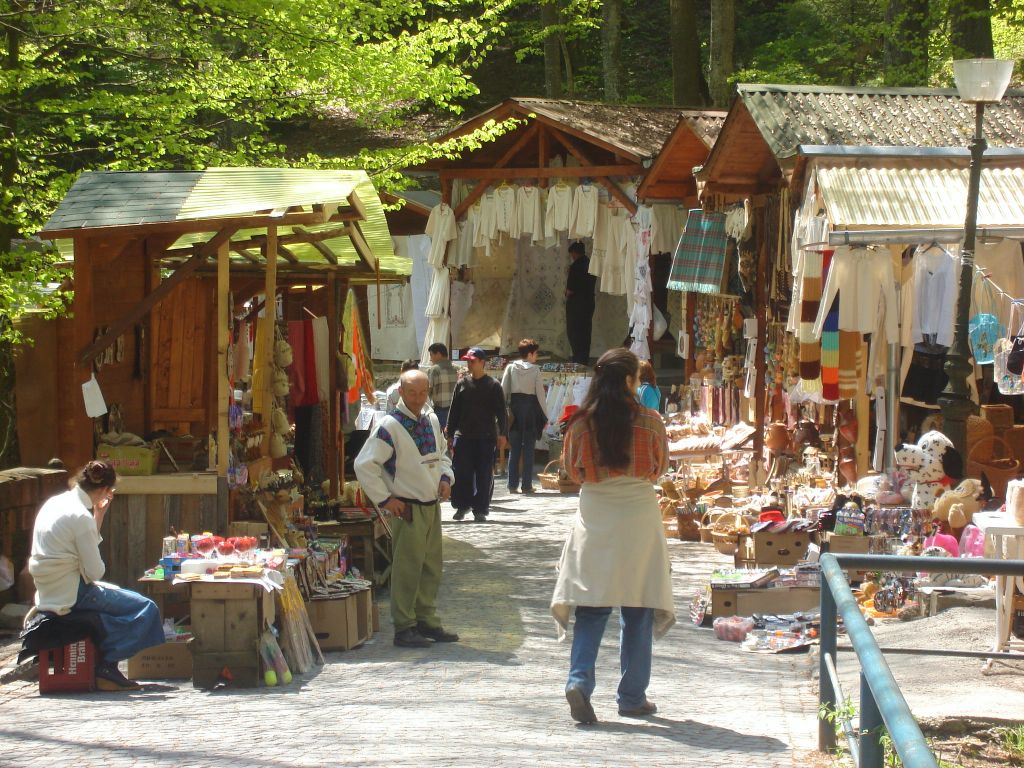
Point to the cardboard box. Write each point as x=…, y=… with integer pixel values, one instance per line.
x=747, y=602
x=766, y=548
x=130, y=459
x=848, y=545
x=170, y=661
x=335, y=623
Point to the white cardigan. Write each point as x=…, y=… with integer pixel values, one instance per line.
x=866, y=280
x=65, y=550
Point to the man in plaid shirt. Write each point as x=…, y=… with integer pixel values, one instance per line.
x=443, y=377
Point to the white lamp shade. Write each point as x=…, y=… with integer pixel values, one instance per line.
x=982, y=80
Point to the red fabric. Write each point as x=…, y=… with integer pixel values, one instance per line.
x=297, y=370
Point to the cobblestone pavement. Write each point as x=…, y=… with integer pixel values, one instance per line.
x=494, y=699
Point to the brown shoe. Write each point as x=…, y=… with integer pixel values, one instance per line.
x=437, y=634
x=646, y=709
x=579, y=706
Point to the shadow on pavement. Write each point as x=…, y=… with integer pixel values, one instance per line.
x=693, y=733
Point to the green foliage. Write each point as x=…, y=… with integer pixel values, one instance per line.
x=149, y=84
x=1012, y=740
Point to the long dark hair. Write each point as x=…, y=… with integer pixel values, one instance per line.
x=610, y=408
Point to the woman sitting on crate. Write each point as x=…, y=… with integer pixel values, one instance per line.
x=616, y=554
x=67, y=568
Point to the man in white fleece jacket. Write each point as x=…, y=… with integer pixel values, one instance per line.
x=405, y=470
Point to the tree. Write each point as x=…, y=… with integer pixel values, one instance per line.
x=688, y=85
x=970, y=28
x=723, y=37
x=549, y=21
x=611, y=49
x=905, y=55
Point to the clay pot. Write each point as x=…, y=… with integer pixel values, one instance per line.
x=848, y=426
x=806, y=434
x=776, y=437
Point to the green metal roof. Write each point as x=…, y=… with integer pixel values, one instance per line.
x=133, y=198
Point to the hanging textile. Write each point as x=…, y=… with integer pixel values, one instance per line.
x=936, y=282
x=321, y=338
x=613, y=262
x=416, y=248
x=459, y=303
x=583, y=213
x=810, y=349
x=393, y=333
x=460, y=254
x=440, y=229
x=640, y=313
x=482, y=321
x=851, y=363
x=297, y=370
x=260, y=362
x=361, y=379
x=536, y=301
x=669, y=220
x=437, y=303
x=437, y=333
x=1003, y=263
x=506, y=212
x=531, y=214
x=556, y=217
x=699, y=261
x=241, y=354
x=867, y=281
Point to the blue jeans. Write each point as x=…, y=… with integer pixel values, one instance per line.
x=522, y=439
x=442, y=416
x=131, y=622
x=636, y=639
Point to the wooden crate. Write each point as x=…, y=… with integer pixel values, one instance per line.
x=227, y=620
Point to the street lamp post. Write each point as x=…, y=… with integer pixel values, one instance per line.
x=979, y=82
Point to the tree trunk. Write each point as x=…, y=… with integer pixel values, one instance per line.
x=723, y=38
x=686, y=66
x=611, y=49
x=552, y=49
x=970, y=27
x=905, y=55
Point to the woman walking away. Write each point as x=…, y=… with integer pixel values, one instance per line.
x=524, y=394
x=648, y=394
x=616, y=554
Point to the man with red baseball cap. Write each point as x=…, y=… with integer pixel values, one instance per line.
x=477, y=425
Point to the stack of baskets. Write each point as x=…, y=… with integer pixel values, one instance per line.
x=554, y=478
x=726, y=531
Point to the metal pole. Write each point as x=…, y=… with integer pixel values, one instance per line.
x=955, y=400
x=826, y=693
x=871, y=728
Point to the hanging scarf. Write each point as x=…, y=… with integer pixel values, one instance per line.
x=851, y=363
x=810, y=348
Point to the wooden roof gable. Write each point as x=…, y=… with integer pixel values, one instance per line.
x=671, y=175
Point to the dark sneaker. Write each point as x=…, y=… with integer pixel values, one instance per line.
x=479, y=518
x=109, y=678
x=437, y=634
x=579, y=706
x=644, y=710
x=410, y=638
x=528, y=490
x=460, y=514
x=514, y=490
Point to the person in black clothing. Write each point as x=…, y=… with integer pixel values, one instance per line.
x=477, y=425
x=579, y=303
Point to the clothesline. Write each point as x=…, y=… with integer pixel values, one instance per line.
x=984, y=275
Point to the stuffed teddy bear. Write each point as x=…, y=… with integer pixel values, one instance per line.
x=932, y=466
x=955, y=508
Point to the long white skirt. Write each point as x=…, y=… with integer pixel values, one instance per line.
x=615, y=555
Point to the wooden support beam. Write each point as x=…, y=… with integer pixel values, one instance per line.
x=187, y=226
x=302, y=235
x=357, y=206
x=270, y=292
x=593, y=171
x=525, y=138
x=333, y=428
x=140, y=310
x=223, y=386
x=247, y=254
x=288, y=255
x=570, y=147
x=363, y=249
x=326, y=252
x=472, y=197
x=618, y=194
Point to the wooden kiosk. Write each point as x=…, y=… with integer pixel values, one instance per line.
x=161, y=262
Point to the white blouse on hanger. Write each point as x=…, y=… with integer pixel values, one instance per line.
x=506, y=213
x=556, y=217
x=441, y=229
x=866, y=279
x=936, y=281
x=583, y=213
x=531, y=215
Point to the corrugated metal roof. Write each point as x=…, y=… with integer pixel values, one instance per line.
x=790, y=115
x=110, y=199
x=919, y=197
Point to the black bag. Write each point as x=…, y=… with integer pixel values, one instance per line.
x=1015, y=357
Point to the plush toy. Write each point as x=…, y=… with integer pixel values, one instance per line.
x=932, y=465
x=955, y=508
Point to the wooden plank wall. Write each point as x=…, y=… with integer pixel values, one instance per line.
x=135, y=525
x=181, y=334
x=35, y=386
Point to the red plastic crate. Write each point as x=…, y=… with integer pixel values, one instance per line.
x=71, y=669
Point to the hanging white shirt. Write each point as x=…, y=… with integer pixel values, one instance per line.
x=506, y=212
x=936, y=281
x=583, y=213
x=866, y=278
x=531, y=215
x=556, y=217
x=441, y=229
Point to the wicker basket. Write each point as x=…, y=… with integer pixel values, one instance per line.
x=688, y=522
x=1000, y=414
x=999, y=471
x=556, y=480
x=726, y=543
x=979, y=429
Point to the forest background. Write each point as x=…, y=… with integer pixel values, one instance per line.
x=150, y=84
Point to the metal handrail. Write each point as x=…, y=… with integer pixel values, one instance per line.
x=882, y=703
